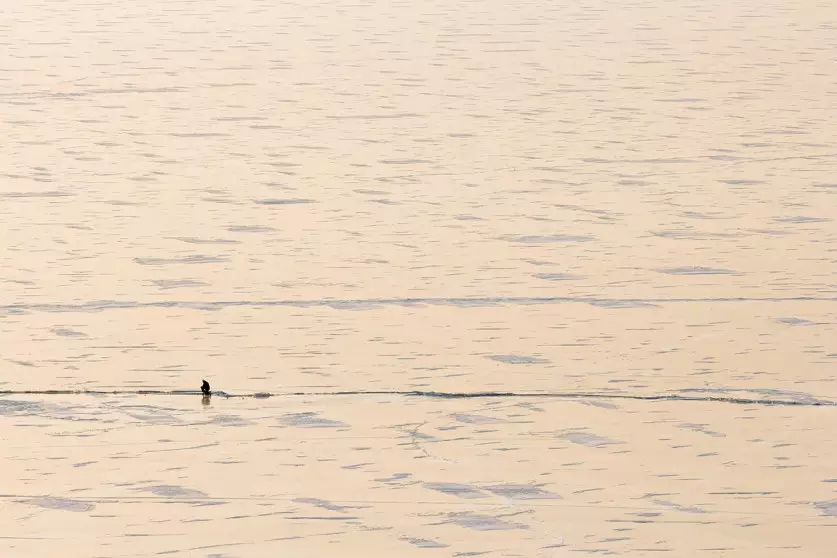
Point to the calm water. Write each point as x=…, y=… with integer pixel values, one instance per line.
x=619, y=198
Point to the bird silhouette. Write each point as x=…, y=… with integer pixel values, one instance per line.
x=205, y=388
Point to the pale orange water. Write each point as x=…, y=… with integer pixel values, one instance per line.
x=612, y=197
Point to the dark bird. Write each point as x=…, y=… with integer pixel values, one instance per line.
x=205, y=388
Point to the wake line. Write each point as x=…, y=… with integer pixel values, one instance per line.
x=810, y=402
x=367, y=303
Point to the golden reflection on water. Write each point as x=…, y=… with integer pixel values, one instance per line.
x=629, y=198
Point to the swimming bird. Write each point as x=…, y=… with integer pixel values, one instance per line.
x=205, y=388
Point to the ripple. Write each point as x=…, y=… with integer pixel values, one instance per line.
x=290, y=201
x=197, y=259
x=62, y=504
x=548, y=239
x=518, y=359
x=696, y=270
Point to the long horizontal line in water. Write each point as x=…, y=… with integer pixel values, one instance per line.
x=808, y=402
x=358, y=304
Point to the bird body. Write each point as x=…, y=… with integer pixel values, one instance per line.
x=205, y=388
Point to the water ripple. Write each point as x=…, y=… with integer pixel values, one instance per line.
x=464, y=302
